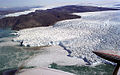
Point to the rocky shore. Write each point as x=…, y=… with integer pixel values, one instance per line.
x=42, y=18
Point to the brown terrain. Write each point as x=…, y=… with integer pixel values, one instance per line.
x=47, y=17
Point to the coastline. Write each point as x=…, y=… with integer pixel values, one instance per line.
x=60, y=37
x=43, y=17
x=66, y=41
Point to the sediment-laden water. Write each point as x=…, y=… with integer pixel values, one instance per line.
x=11, y=54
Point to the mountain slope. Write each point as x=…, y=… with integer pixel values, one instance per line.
x=47, y=17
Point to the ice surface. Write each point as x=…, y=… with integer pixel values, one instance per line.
x=49, y=55
x=94, y=31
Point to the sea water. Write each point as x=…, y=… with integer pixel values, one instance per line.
x=11, y=54
x=103, y=69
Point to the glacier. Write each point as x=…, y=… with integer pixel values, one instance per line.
x=94, y=31
x=34, y=9
x=30, y=11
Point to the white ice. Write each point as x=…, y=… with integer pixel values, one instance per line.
x=94, y=31
x=49, y=55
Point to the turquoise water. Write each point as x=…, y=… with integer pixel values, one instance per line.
x=102, y=69
x=6, y=33
x=12, y=55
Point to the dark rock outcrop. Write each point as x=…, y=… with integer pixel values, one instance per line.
x=47, y=17
x=43, y=18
